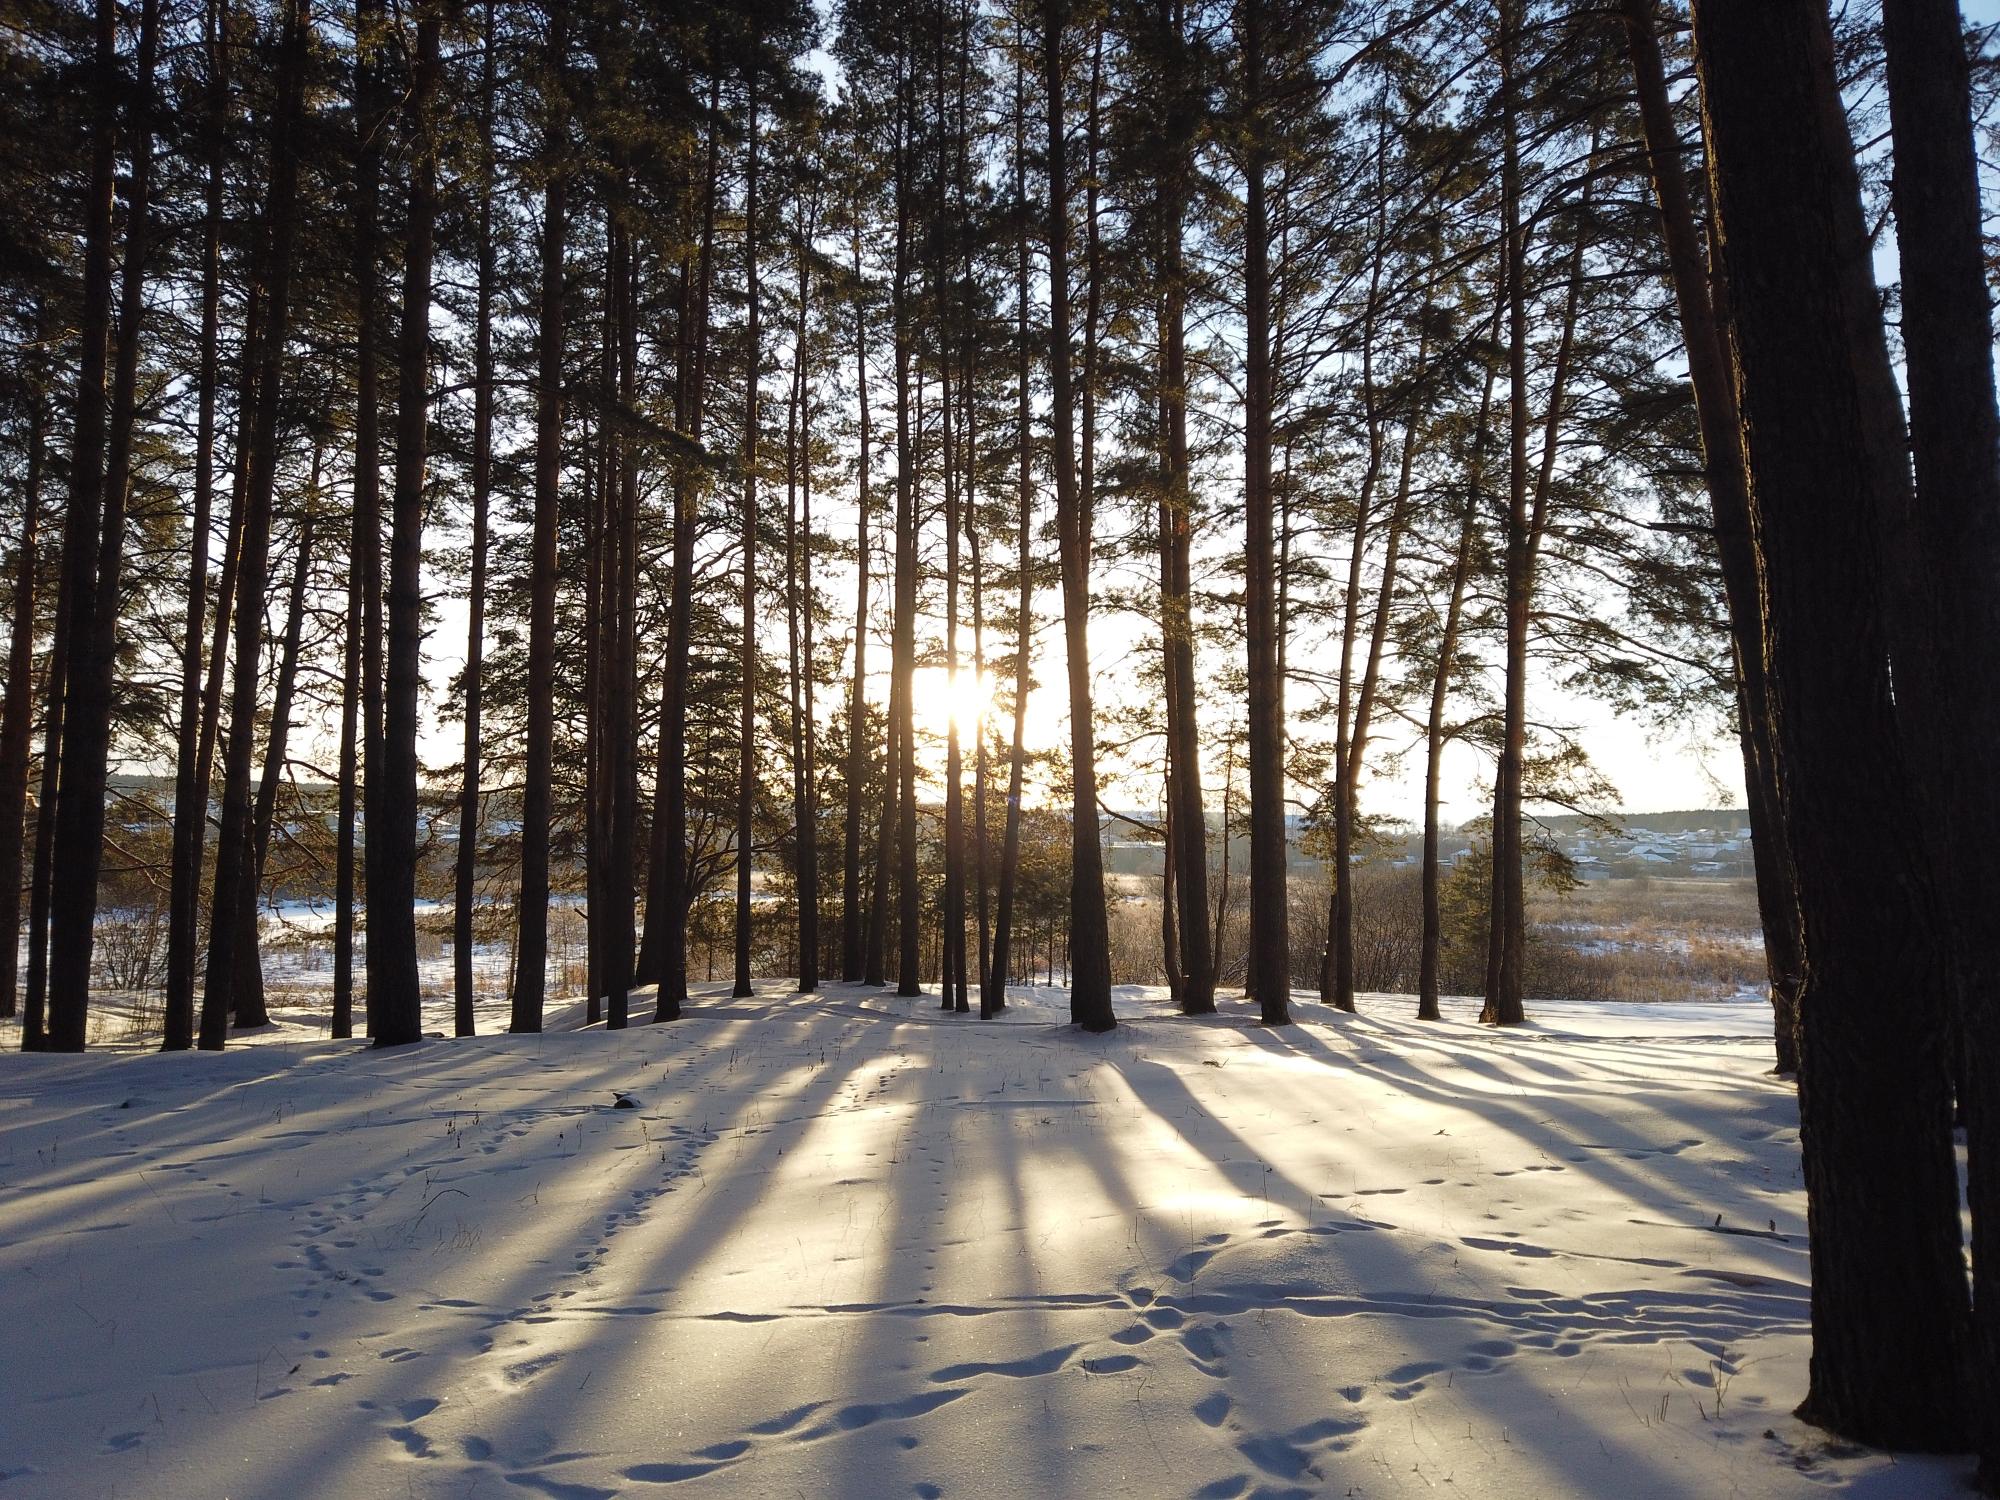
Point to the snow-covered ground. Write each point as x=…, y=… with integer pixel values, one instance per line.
x=844, y=1246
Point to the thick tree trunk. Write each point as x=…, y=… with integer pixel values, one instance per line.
x=1831, y=498
x=531, y=948
x=1955, y=438
x=233, y=844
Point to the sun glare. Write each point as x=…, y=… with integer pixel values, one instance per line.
x=944, y=698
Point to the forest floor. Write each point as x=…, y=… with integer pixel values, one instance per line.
x=845, y=1246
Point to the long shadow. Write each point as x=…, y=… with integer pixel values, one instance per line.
x=1606, y=1156
x=1228, y=1150
x=535, y=1294
x=535, y=1284
x=704, y=1228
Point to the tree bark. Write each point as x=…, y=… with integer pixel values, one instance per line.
x=1090, y=958
x=1269, y=958
x=249, y=991
x=1336, y=974
x=746, y=728
x=993, y=996
x=190, y=768
x=233, y=844
x=1729, y=503
x=952, y=983
x=853, y=919
x=1428, y=963
x=799, y=608
x=393, y=986
x=86, y=741
x=1188, y=812
x=663, y=949
x=537, y=802
x=17, y=726
x=1507, y=932
x=1955, y=441
x=1822, y=430
x=898, y=843
x=466, y=866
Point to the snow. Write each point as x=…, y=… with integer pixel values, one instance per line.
x=843, y=1245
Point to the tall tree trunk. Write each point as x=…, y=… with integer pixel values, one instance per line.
x=94, y=601
x=853, y=919
x=898, y=842
x=596, y=632
x=981, y=769
x=190, y=770
x=249, y=991
x=663, y=950
x=957, y=469
x=621, y=686
x=993, y=996
x=1428, y=963
x=798, y=575
x=1187, y=813
x=1090, y=956
x=746, y=724
x=1358, y=729
x=1831, y=499
x=467, y=863
x=371, y=123
x=1507, y=933
x=531, y=947
x=393, y=986
x=1336, y=974
x=233, y=839
x=1270, y=940
x=1729, y=504
x=17, y=726
x=1955, y=439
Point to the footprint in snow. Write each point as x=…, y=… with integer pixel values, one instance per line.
x=1207, y=1344
x=1044, y=1363
x=1291, y=1455
x=867, y=1414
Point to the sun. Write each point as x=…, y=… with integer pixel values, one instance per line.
x=943, y=699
